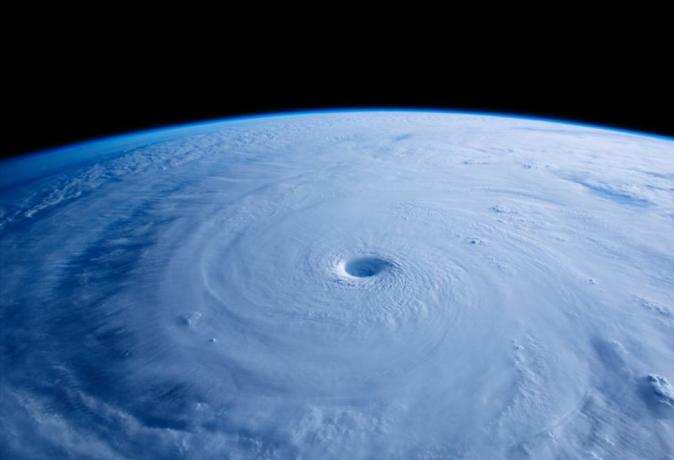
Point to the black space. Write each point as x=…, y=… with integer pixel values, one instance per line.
x=71, y=85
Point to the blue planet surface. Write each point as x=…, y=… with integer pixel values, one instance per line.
x=340, y=285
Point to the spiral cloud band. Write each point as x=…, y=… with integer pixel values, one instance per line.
x=341, y=285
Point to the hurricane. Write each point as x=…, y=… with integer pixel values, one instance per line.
x=351, y=284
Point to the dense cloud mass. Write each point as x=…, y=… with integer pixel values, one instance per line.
x=341, y=285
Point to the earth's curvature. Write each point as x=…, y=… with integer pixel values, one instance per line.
x=341, y=285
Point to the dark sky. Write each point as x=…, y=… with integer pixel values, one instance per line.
x=70, y=84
